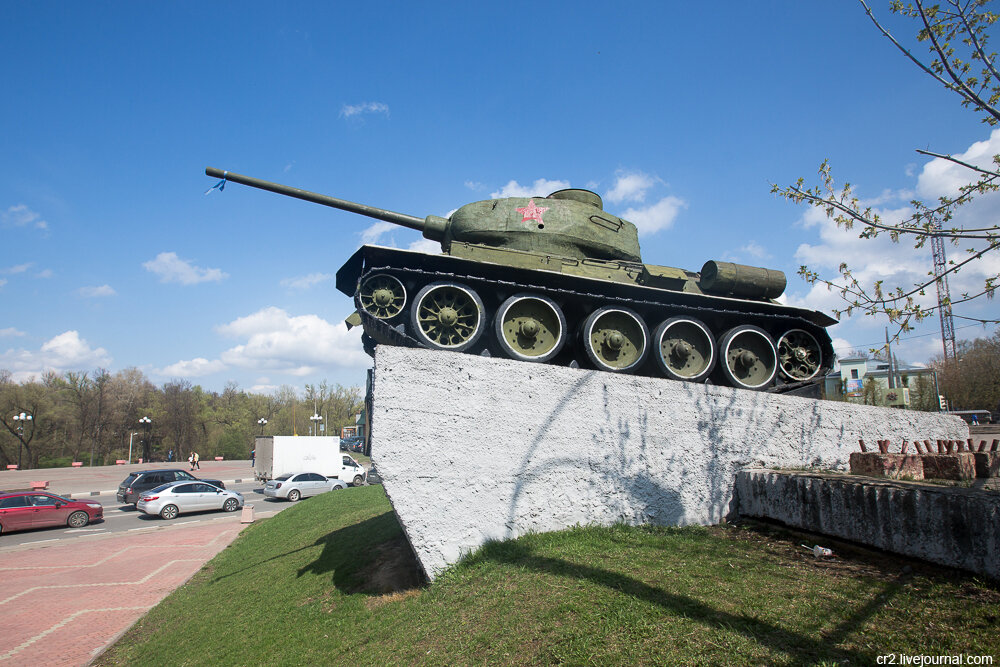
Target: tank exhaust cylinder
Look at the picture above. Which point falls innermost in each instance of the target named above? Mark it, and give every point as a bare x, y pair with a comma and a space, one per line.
739, 280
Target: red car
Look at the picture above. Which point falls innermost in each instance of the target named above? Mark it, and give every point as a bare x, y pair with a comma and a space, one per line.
35, 509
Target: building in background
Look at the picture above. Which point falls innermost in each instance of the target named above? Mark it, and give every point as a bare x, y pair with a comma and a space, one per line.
867, 381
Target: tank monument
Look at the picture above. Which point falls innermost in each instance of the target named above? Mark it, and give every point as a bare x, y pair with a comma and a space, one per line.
557, 379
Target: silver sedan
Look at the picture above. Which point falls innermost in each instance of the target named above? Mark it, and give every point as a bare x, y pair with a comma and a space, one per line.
295, 485
169, 500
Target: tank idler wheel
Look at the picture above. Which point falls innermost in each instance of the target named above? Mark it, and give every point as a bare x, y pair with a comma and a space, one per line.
684, 349
616, 339
382, 296
530, 327
749, 360
447, 316
799, 355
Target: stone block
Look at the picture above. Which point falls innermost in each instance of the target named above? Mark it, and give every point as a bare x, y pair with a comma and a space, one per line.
987, 464
893, 466
949, 466
529, 448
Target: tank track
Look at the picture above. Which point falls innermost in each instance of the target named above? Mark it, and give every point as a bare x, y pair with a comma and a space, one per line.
378, 331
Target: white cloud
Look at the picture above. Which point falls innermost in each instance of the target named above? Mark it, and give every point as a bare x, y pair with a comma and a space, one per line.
942, 177
22, 216
11, 331
193, 368
19, 268
3, 281
377, 230
64, 352
92, 292
475, 185
540, 188
277, 342
630, 186
349, 110
426, 245
173, 269
44, 273
305, 282
655, 217
755, 250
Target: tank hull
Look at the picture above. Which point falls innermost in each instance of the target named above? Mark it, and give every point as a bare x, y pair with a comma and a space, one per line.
586, 313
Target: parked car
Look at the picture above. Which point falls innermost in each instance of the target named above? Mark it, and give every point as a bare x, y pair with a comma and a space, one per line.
295, 485
169, 500
34, 509
144, 480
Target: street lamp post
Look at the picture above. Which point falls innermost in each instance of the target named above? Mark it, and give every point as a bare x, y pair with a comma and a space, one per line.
147, 424
19, 422
315, 419
262, 423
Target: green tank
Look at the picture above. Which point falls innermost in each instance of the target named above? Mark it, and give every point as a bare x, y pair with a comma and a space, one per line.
557, 279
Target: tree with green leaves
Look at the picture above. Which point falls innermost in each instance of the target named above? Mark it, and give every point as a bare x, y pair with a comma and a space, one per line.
956, 33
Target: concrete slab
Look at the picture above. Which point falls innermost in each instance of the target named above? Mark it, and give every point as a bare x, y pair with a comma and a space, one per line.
472, 449
957, 527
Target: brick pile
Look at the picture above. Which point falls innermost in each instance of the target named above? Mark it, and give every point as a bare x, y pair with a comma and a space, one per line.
951, 460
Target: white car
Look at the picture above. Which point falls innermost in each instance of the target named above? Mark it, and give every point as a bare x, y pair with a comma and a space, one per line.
169, 500
295, 485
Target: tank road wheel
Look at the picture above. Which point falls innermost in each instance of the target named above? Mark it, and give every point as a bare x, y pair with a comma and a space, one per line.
530, 328
684, 349
447, 316
799, 355
616, 339
382, 296
749, 360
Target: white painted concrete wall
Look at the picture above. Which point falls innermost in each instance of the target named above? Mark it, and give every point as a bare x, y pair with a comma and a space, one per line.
472, 449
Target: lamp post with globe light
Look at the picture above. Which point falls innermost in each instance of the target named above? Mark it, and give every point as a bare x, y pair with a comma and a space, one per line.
262, 422
147, 424
19, 421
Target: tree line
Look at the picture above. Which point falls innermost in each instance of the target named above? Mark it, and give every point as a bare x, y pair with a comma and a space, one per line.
94, 417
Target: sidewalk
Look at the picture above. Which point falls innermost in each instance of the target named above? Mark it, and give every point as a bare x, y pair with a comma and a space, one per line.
104, 480
62, 604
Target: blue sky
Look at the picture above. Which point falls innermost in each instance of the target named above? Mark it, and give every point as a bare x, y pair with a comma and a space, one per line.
678, 114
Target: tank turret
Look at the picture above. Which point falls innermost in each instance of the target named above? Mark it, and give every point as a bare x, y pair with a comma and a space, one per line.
557, 279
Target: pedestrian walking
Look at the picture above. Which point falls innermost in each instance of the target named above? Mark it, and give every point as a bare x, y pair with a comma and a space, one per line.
253, 456
170, 455
196, 464
191, 460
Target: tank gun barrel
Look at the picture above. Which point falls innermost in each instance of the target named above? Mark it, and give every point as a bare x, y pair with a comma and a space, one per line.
402, 219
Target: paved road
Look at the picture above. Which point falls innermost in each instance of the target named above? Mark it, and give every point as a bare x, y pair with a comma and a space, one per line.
119, 518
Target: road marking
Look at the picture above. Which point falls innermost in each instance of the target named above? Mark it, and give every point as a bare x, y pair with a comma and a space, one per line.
54, 539
142, 528
82, 530
62, 623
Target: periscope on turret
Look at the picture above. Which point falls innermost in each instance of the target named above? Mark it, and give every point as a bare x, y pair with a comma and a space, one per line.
557, 279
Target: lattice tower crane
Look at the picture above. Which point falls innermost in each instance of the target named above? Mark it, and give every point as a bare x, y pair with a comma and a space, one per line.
944, 295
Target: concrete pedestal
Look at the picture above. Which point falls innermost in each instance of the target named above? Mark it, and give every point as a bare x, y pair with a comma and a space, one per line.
472, 449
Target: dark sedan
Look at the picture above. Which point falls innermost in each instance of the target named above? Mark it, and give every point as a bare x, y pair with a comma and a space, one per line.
139, 482
34, 509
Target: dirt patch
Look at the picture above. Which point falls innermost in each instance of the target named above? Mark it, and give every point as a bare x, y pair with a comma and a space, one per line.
394, 571
850, 559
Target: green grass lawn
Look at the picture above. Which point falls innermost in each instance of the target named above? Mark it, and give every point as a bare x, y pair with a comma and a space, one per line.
332, 581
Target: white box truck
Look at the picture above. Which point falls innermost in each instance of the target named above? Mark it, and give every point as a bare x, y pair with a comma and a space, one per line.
278, 454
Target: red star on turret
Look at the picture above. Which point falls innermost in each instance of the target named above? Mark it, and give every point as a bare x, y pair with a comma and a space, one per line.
532, 212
